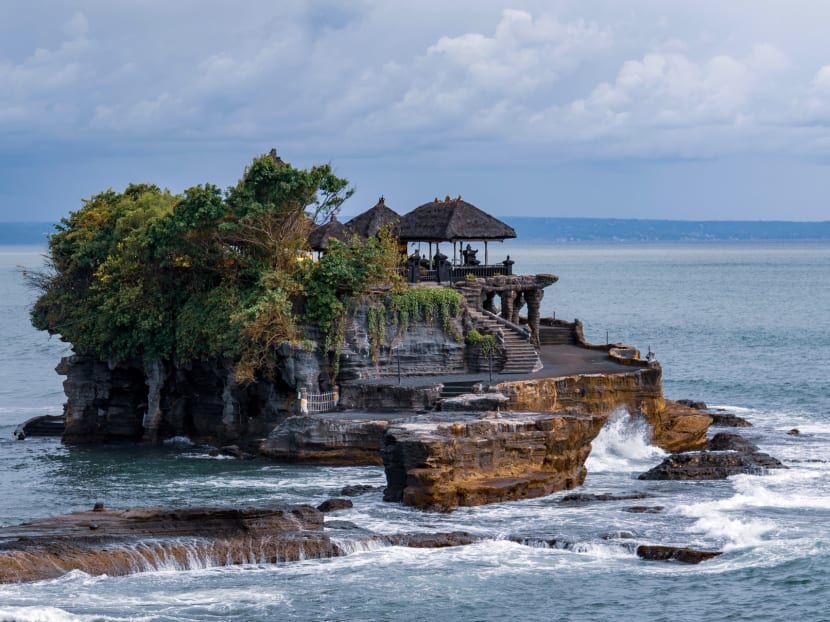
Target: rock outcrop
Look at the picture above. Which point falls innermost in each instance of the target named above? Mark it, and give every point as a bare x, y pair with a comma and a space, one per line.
728, 420
674, 553
704, 465
389, 397
120, 542
473, 460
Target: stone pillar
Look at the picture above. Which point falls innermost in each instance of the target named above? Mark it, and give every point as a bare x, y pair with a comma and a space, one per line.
518, 303
488, 303
534, 300
155, 378
507, 303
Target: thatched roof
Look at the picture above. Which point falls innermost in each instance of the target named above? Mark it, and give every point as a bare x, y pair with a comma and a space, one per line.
320, 235
369, 222
451, 220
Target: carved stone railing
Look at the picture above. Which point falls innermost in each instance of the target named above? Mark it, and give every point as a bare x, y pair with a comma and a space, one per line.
452, 274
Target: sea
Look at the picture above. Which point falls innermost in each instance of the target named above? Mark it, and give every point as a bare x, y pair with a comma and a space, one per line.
743, 326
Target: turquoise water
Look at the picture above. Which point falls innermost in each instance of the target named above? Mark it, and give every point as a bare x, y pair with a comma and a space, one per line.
740, 325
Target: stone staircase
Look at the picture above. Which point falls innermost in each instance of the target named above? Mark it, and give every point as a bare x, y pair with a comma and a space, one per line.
557, 335
522, 357
455, 388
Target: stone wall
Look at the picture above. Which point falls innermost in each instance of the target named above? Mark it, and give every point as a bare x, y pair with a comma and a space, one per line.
389, 397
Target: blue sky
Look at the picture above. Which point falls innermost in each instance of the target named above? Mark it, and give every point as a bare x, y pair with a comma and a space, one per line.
636, 109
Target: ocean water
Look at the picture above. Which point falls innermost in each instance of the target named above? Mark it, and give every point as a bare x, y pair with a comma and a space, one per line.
743, 326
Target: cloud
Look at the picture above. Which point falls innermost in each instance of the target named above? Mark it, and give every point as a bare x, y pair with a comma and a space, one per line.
581, 81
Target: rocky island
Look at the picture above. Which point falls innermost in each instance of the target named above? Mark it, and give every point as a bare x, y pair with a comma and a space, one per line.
206, 315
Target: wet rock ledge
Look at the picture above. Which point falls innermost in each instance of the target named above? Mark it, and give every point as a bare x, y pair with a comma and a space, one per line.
119, 542
475, 459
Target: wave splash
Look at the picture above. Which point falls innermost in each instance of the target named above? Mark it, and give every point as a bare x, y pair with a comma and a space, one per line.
623, 445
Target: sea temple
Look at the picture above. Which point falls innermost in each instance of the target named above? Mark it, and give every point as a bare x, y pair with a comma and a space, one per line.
405, 342
453, 381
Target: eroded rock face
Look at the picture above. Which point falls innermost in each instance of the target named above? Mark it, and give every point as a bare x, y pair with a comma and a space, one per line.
201, 400
478, 402
679, 428
473, 461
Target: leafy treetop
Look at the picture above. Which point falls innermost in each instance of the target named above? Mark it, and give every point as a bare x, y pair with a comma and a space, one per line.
146, 275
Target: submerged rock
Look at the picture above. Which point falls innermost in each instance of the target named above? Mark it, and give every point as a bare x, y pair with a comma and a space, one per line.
431, 540
644, 509
359, 489
581, 498
728, 420
332, 505
674, 553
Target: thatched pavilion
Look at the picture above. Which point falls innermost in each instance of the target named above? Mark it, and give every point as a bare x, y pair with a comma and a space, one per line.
319, 237
454, 221
370, 222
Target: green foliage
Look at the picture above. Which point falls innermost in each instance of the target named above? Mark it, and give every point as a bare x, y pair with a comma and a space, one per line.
145, 274
377, 329
344, 274
487, 343
415, 303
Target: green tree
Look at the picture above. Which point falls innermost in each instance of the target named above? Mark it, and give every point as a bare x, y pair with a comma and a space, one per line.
149, 275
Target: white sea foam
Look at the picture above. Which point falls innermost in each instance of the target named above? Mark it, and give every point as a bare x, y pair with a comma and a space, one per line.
735, 533
623, 445
37, 614
727, 520
179, 441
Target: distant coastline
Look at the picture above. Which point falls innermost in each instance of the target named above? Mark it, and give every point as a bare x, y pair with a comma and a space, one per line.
533, 229
635, 230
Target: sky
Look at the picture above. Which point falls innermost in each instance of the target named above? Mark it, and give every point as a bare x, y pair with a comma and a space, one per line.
682, 109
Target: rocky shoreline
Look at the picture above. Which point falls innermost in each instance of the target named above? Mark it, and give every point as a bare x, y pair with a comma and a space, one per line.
120, 542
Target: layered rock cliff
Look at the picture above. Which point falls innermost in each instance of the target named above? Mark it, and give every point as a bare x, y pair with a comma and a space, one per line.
128, 401
473, 460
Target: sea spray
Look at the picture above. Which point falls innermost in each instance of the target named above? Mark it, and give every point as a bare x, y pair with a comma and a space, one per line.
623, 445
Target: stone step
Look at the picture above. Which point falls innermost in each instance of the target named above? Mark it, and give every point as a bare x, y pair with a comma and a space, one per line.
521, 355
455, 388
